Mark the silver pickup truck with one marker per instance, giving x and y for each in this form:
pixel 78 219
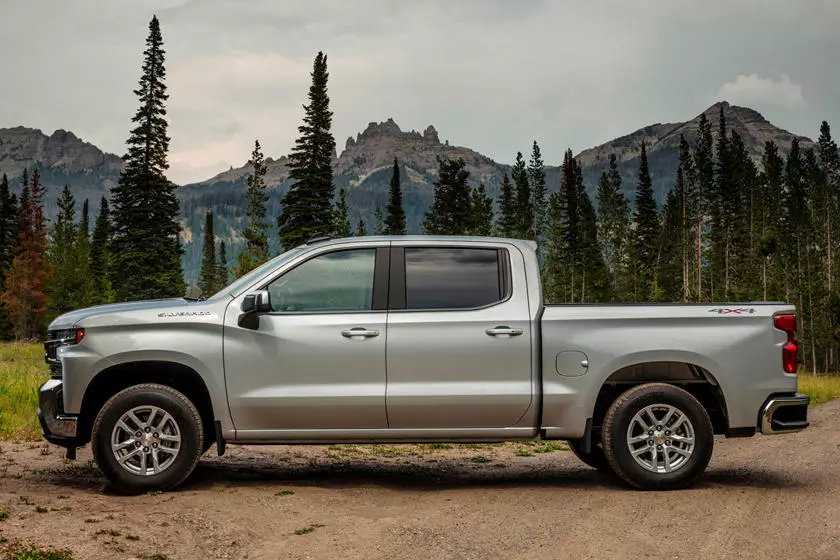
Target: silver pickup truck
pixel 415 339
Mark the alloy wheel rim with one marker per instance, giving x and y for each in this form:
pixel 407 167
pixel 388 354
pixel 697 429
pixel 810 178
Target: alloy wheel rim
pixel 661 438
pixel 146 440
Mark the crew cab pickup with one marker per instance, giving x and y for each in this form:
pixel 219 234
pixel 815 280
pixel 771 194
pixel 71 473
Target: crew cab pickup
pixel 415 339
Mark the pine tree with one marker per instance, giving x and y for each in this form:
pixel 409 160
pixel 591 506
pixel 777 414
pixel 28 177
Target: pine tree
pixel 564 254
pixel 830 191
pixel 64 284
pixel 342 216
pixel 506 225
pixel 719 202
pixel 771 224
pixel 209 278
pixel 450 213
pixel 25 291
pixel 613 226
pixel 738 205
pixel 377 216
pixel 100 255
pixel 595 280
pixel 669 266
pixel 646 218
pixel 481 206
pixel 539 193
pixel 82 253
pixel 307 206
pixel 222 275
pixel 523 202
pixel 8 238
pixel 689 207
pixel 795 216
pixel 146 245
pixel 395 217
pixel 256 240
pixel 361 228
pixel 705 172
pixel 8 228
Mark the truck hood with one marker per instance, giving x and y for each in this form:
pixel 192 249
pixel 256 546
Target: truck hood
pixel 72 318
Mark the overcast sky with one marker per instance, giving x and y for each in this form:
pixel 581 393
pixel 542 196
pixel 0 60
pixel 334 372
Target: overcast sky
pixel 492 75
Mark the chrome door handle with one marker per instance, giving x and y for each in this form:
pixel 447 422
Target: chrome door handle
pixel 503 331
pixel 360 332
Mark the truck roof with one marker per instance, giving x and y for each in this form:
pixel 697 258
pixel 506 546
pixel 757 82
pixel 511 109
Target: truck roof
pixel 521 243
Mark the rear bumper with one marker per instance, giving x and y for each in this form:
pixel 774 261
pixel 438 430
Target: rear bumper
pixel 784 414
pixel 57 427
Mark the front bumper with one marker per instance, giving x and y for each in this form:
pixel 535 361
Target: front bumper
pixel 57 427
pixel 784 414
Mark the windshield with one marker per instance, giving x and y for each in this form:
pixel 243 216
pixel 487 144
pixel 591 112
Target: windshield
pixel 240 284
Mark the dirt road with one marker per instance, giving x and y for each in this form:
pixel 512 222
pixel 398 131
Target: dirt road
pixel 765 497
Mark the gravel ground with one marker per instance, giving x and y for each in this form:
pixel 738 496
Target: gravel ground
pixel 764 497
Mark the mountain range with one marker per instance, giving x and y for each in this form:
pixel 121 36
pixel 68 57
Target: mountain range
pixel 363 168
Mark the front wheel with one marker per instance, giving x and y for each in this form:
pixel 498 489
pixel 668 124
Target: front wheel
pixel 147 437
pixel 657 437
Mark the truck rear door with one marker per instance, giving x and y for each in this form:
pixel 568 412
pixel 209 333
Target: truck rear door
pixel 459 340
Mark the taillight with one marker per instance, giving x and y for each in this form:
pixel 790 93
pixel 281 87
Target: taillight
pixel 787 323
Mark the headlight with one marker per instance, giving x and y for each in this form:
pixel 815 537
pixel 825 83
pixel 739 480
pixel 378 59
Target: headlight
pixel 65 337
pixel 58 338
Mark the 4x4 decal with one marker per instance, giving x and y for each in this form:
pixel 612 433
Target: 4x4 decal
pixel 732 310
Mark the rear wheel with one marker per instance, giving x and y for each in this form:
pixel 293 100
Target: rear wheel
pixel 657 437
pixel 147 437
pixel 595 458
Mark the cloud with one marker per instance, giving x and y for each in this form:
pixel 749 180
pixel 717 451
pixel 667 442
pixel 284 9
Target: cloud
pixel 754 89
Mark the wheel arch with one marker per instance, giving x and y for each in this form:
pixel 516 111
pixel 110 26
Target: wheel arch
pixel 682 371
pixel 118 377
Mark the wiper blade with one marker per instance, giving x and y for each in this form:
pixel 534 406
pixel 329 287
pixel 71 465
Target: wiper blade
pixel 191 299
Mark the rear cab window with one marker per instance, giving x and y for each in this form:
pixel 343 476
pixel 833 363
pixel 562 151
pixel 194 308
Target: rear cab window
pixel 452 278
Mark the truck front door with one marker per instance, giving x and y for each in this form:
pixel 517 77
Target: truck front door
pixel 317 360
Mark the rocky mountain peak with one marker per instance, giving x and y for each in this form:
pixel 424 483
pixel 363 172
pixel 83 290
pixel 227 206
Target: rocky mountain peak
pixel 62 150
pixel 430 135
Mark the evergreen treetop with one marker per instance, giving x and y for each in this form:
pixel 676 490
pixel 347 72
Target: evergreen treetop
pixel 507 226
pixel 209 277
pixel 146 244
pixel 524 206
pixel 450 213
pixel 256 241
pixel 395 214
pixel 307 206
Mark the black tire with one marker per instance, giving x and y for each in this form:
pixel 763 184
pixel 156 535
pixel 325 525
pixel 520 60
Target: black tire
pixel 595 458
pixel 614 437
pixel 184 414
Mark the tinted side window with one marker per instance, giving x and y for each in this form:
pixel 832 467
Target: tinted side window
pixel 337 281
pixel 451 278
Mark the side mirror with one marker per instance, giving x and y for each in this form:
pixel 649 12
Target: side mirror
pixel 257 302
pixel 252 306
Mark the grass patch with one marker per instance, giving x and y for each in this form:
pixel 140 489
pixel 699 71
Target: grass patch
pixel 41 509
pixel 22 371
pixel 821 388
pixel 550 446
pixel 285 493
pixel 4 514
pixel 307 530
pixel 523 453
pixel 480 459
pixel 109 532
pixel 15 550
